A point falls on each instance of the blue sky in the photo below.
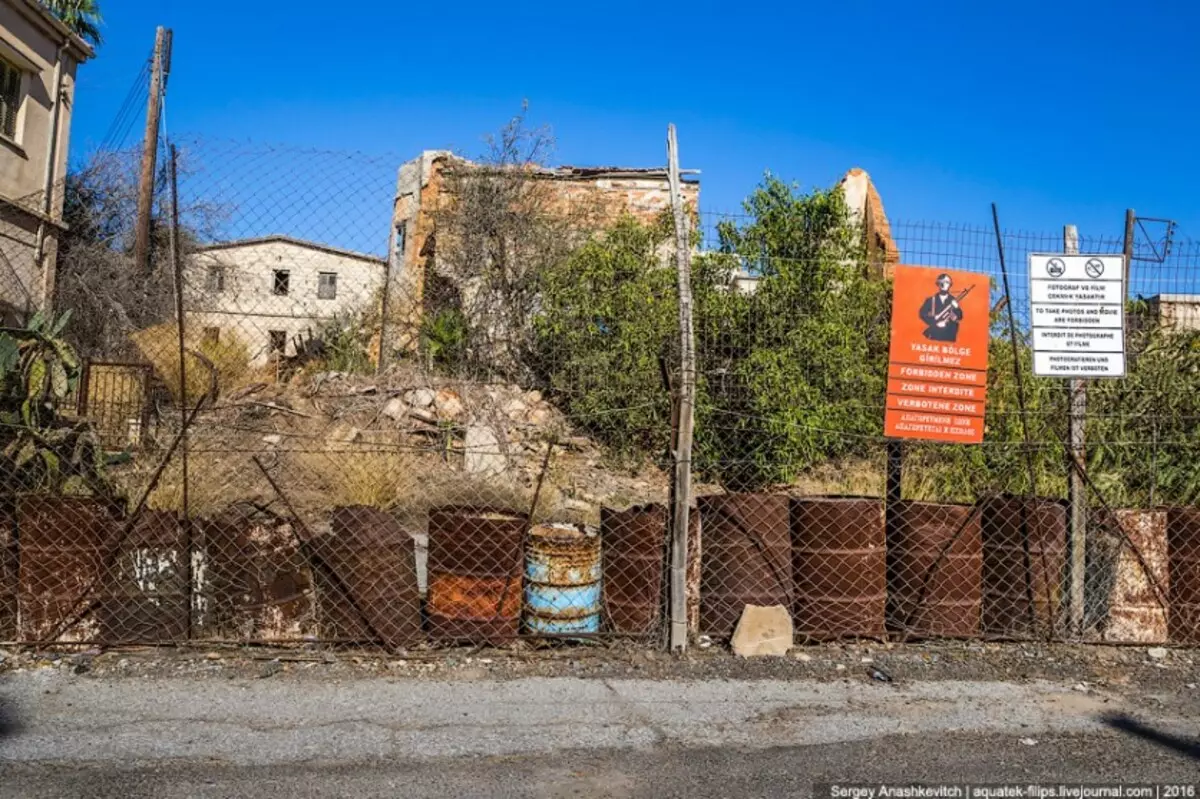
(1058, 111)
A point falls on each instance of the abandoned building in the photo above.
(595, 196)
(272, 293)
(866, 210)
(38, 59)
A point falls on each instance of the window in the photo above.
(278, 341)
(327, 285)
(401, 240)
(216, 278)
(279, 286)
(211, 335)
(10, 99)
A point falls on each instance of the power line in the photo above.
(135, 98)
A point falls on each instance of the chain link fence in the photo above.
(412, 403)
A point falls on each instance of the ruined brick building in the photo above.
(590, 198)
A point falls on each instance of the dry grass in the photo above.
(848, 478)
(409, 484)
(213, 485)
(230, 356)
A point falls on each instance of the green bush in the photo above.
(608, 313)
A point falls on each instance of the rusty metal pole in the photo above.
(1076, 490)
(682, 483)
(141, 241)
(1130, 223)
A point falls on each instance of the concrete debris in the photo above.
(395, 409)
(449, 404)
(1029, 741)
(763, 630)
(802, 657)
(420, 397)
(515, 409)
(272, 440)
(1156, 653)
(483, 455)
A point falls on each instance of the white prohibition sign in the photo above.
(1094, 267)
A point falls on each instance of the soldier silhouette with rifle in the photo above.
(942, 312)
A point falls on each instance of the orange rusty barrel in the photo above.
(838, 562)
(635, 552)
(367, 574)
(144, 597)
(935, 565)
(475, 565)
(1132, 576)
(1016, 574)
(1183, 558)
(63, 543)
(747, 557)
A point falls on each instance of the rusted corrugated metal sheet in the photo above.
(694, 572)
(840, 570)
(144, 596)
(562, 580)
(257, 583)
(1135, 612)
(935, 570)
(367, 576)
(61, 544)
(747, 558)
(475, 564)
(1183, 554)
(1011, 575)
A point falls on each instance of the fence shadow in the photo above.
(10, 721)
(1188, 747)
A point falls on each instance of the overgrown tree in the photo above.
(503, 226)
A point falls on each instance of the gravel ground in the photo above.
(1087, 666)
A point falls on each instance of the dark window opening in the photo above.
(278, 341)
(280, 284)
(216, 278)
(10, 99)
(327, 285)
(211, 335)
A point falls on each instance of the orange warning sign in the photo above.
(937, 372)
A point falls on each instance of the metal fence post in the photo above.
(1076, 466)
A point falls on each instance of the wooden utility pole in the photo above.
(160, 68)
(1076, 490)
(682, 483)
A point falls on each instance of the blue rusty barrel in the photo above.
(562, 580)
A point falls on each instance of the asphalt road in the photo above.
(67, 736)
(659, 772)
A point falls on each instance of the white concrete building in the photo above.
(270, 293)
(39, 56)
